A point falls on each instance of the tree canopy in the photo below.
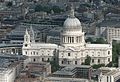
(48, 9)
(96, 66)
(115, 53)
(54, 65)
(87, 60)
(97, 41)
(100, 41)
(9, 4)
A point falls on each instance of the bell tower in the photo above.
(26, 38)
(32, 35)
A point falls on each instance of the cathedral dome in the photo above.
(72, 22)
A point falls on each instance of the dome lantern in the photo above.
(72, 23)
(72, 13)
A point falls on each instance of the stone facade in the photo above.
(72, 50)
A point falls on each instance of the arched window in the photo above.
(34, 52)
(108, 52)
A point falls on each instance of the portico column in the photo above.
(63, 39)
(74, 39)
(66, 41)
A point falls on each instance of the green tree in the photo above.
(100, 41)
(109, 65)
(115, 53)
(90, 40)
(96, 66)
(39, 8)
(9, 4)
(87, 60)
(54, 65)
(57, 9)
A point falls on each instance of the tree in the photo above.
(96, 66)
(115, 53)
(54, 65)
(87, 60)
(97, 41)
(100, 41)
(90, 40)
(39, 8)
(57, 9)
(9, 4)
(109, 65)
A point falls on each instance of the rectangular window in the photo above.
(62, 62)
(108, 59)
(68, 54)
(26, 52)
(68, 62)
(98, 60)
(76, 62)
(107, 79)
(37, 53)
(48, 60)
(42, 59)
(92, 60)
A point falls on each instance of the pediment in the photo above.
(70, 49)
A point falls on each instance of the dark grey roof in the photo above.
(109, 23)
(11, 45)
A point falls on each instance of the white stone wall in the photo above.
(8, 75)
(105, 78)
(98, 56)
(39, 54)
(113, 34)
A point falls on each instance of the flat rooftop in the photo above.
(68, 70)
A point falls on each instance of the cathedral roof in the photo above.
(72, 21)
(43, 45)
(98, 46)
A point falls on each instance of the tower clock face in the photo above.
(26, 45)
